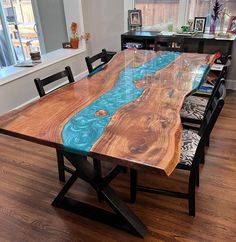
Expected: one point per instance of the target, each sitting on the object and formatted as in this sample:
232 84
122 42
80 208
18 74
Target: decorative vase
74 43
213 26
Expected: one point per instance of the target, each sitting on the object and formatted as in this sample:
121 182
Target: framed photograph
134 18
66 45
232 25
199 24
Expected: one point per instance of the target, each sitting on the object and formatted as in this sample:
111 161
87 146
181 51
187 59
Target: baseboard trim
77 77
231 84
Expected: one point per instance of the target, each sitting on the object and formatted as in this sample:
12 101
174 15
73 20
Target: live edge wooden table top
128 113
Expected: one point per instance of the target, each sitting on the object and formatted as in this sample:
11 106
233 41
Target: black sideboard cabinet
199 43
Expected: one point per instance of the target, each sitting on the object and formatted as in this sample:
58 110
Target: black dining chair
195 107
102 58
192 152
169 44
40 84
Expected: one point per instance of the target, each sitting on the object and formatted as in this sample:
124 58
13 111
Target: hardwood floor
29 183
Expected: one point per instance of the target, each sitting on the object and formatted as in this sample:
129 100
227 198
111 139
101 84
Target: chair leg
60 162
202 161
97 166
208 142
133 185
197 177
191 193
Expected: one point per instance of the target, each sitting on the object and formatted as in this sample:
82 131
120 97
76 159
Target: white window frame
6 34
38 26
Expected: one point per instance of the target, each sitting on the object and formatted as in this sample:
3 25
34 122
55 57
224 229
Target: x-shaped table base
123 218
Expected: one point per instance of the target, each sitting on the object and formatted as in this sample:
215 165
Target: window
5 59
18 31
202 8
158 11
231 6
179 11
199 8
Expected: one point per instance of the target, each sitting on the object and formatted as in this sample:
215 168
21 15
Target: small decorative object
74 39
85 36
217 8
66 45
170 27
190 23
232 25
224 12
199 24
134 18
34 52
35 56
185 28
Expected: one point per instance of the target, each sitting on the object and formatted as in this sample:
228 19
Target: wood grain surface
29 182
143 134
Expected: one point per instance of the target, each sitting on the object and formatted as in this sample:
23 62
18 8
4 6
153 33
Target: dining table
127 114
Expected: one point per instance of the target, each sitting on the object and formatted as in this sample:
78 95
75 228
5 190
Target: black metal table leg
121 217
60 162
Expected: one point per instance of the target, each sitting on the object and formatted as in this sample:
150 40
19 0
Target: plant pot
74 43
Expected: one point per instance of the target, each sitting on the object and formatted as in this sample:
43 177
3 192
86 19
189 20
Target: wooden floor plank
29 182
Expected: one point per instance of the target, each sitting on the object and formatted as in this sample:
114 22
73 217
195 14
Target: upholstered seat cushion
194 107
190 141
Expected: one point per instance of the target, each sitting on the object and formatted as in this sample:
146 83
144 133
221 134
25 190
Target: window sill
12 73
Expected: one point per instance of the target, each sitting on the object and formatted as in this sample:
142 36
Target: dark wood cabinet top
152 34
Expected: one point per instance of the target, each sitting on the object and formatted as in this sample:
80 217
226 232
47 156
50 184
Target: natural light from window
156 12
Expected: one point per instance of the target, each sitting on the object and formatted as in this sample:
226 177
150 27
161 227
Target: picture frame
66 45
232 25
135 18
199 24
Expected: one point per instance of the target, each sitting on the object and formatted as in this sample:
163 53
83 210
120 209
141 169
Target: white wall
104 19
52 19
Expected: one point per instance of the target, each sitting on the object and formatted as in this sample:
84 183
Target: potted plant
74 39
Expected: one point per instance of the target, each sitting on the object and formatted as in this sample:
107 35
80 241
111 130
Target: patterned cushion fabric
194 107
190 140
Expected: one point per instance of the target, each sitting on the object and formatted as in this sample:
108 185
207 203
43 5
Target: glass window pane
5 59
21 24
231 6
199 8
203 8
158 11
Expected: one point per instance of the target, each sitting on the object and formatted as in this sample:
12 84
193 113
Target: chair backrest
218 82
169 44
103 57
209 123
213 113
40 83
214 92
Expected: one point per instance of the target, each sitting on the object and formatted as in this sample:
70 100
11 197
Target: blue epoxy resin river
82 131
